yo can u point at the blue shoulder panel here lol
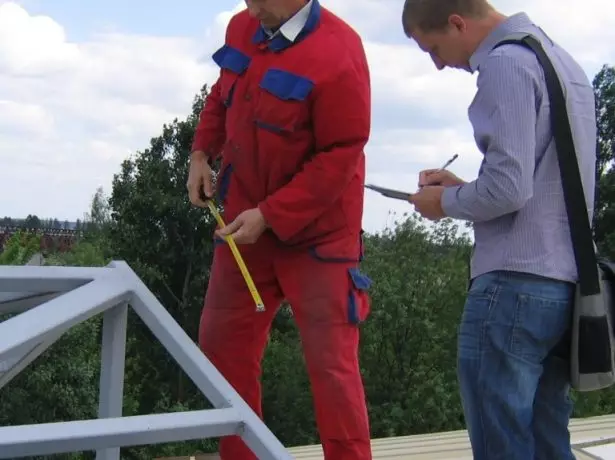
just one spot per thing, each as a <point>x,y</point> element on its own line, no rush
<point>286,85</point>
<point>232,59</point>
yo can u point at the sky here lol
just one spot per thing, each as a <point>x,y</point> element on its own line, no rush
<point>84,85</point>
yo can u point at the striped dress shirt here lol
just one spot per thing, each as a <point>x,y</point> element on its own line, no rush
<point>516,203</point>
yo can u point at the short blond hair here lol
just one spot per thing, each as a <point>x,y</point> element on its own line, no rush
<point>431,15</point>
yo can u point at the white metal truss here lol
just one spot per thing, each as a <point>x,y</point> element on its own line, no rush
<point>581,447</point>
<point>51,300</point>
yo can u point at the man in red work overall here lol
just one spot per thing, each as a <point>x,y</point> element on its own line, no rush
<point>290,115</point>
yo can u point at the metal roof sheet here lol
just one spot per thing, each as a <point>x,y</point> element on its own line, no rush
<point>455,445</point>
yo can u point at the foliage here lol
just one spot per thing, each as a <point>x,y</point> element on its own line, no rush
<point>286,387</point>
<point>32,222</point>
<point>603,402</point>
<point>98,220</point>
<point>83,254</point>
<point>604,88</point>
<point>20,248</point>
<point>420,278</point>
<point>62,383</point>
<point>169,243</point>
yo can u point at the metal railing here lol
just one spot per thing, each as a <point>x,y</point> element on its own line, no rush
<point>51,300</point>
<point>581,447</point>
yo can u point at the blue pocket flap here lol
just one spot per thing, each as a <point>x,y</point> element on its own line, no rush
<point>360,280</point>
<point>286,85</point>
<point>232,59</point>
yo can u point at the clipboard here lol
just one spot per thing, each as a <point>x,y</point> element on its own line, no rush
<point>390,193</point>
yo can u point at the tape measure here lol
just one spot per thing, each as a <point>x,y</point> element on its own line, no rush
<point>260,306</point>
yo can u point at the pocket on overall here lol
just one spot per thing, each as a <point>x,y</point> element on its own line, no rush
<point>282,104</point>
<point>232,63</point>
<point>341,250</point>
<point>359,302</point>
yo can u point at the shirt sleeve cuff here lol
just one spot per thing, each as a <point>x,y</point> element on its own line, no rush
<point>450,202</point>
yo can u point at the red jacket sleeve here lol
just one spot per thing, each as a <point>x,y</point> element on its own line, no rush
<point>341,120</point>
<point>209,135</point>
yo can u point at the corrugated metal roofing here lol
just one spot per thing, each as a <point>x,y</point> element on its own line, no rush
<point>455,445</point>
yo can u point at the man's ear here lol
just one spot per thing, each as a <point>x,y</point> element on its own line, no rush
<point>457,23</point>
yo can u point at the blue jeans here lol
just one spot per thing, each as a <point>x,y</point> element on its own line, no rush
<point>513,367</point>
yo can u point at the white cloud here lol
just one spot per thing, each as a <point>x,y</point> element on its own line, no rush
<point>21,37</point>
<point>404,76</point>
<point>70,112</point>
<point>586,29</point>
<point>369,17</point>
<point>25,119</point>
<point>222,19</point>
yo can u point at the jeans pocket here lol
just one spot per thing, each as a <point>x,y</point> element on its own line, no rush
<point>539,325</point>
<point>475,317</point>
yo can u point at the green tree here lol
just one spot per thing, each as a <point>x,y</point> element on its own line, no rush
<point>287,399</point>
<point>32,222</point>
<point>603,402</point>
<point>62,383</point>
<point>409,343</point>
<point>169,243</point>
<point>19,248</point>
<point>99,216</point>
<point>604,221</point>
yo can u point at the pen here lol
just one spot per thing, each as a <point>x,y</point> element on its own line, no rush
<point>448,163</point>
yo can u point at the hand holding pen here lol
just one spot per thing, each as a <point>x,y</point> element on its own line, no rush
<point>440,176</point>
<point>432,184</point>
<point>428,177</point>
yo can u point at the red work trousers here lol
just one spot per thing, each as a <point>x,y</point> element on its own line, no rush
<point>233,336</point>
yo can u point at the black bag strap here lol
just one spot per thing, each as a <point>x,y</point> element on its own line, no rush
<point>576,207</point>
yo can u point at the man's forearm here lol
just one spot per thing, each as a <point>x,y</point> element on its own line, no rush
<point>492,195</point>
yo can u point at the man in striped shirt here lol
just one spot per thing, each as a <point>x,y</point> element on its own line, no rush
<point>513,364</point>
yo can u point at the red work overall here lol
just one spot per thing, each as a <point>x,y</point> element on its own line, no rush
<point>291,122</point>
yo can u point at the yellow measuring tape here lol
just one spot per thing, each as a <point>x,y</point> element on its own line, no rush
<point>260,306</point>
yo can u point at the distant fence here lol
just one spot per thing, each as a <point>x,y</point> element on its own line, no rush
<point>52,239</point>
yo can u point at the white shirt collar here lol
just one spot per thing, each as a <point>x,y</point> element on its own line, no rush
<point>293,27</point>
